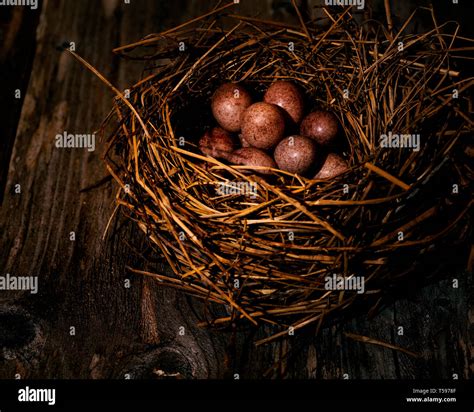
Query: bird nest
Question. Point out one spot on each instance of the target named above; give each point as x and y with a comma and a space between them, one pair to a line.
288, 254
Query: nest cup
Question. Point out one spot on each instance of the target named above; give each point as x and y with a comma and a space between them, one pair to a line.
267, 254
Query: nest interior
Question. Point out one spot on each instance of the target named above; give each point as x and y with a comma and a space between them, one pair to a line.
267, 257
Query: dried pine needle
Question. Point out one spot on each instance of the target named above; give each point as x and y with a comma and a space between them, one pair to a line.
267, 257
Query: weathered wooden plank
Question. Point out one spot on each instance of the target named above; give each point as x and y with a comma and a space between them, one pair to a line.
136, 330
82, 280
17, 43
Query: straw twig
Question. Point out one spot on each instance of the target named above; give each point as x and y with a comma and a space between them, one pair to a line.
266, 257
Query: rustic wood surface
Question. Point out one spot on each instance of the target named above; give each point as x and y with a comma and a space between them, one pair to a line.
136, 331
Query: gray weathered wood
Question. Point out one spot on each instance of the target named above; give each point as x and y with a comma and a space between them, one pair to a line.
135, 330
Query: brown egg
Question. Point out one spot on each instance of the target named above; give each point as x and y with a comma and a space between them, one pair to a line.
263, 125
217, 143
228, 105
288, 96
250, 156
321, 126
296, 154
333, 166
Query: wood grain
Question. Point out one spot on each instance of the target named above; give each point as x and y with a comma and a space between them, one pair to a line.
145, 331
17, 36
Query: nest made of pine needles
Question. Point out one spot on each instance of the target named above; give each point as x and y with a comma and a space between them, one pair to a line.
267, 258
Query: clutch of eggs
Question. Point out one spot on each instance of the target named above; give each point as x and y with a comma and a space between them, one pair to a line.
260, 134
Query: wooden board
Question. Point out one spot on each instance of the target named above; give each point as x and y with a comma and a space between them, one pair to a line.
85, 322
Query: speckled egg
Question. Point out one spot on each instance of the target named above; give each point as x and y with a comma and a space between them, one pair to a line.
296, 154
217, 143
333, 166
321, 126
251, 156
228, 105
263, 125
288, 96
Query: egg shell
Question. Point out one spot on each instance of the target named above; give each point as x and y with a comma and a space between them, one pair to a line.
217, 143
296, 154
228, 104
251, 156
321, 126
333, 166
288, 96
263, 125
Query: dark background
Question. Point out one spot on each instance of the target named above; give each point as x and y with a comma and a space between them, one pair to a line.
135, 330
